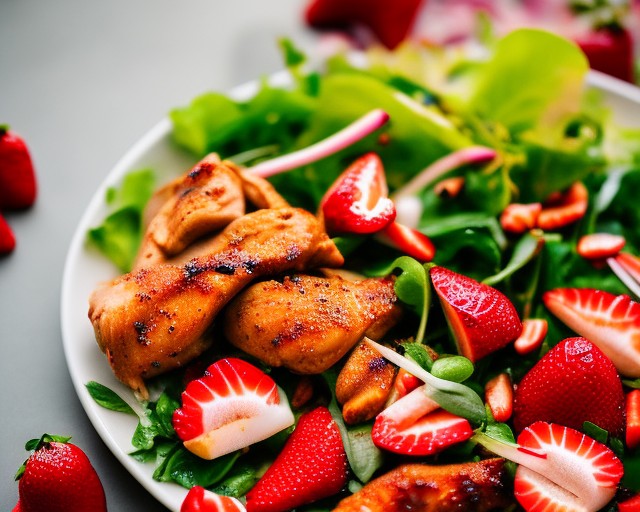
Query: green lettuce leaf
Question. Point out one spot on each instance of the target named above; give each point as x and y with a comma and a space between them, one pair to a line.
118, 236
533, 79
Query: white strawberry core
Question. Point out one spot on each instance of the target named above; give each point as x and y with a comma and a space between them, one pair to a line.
237, 422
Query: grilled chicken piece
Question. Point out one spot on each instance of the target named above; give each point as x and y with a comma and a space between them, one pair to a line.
306, 323
259, 191
473, 487
364, 384
199, 203
155, 319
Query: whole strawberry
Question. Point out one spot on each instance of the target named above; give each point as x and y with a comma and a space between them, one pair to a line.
17, 176
573, 383
311, 466
58, 477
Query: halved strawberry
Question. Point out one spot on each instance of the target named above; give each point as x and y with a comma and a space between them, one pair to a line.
312, 465
632, 407
574, 382
498, 394
533, 333
199, 499
565, 208
612, 322
408, 240
598, 246
233, 406
357, 202
416, 425
578, 473
518, 218
481, 318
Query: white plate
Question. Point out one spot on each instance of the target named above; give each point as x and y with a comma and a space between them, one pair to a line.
85, 268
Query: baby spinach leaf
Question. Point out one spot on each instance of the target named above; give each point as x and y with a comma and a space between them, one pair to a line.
108, 398
524, 251
118, 236
412, 287
363, 456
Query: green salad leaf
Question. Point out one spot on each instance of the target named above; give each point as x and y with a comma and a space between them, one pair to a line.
120, 234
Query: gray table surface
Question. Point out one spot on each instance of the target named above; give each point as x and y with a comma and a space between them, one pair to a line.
82, 80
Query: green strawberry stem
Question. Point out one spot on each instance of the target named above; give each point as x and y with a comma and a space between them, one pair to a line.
34, 445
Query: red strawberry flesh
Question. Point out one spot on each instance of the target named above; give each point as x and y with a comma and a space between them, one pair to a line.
612, 322
390, 23
312, 465
199, 499
573, 383
481, 318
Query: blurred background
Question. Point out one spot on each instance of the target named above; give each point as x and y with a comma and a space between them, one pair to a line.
81, 81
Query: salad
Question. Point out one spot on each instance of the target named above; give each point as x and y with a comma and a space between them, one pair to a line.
490, 203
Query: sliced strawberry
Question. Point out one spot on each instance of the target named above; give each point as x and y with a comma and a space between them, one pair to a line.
534, 330
574, 382
357, 202
498, 394
518, 218
632, 432
416, 425
565, 209
481, 318
612, 322
578, 473
630, 505
18, 187
408, 240
199, 499
7, 238
312, 465
599, 246
233, 406
390, 26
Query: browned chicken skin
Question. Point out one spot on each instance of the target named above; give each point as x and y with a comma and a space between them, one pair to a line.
199, 203
364, 384
305, 323
469, 487
155, 319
